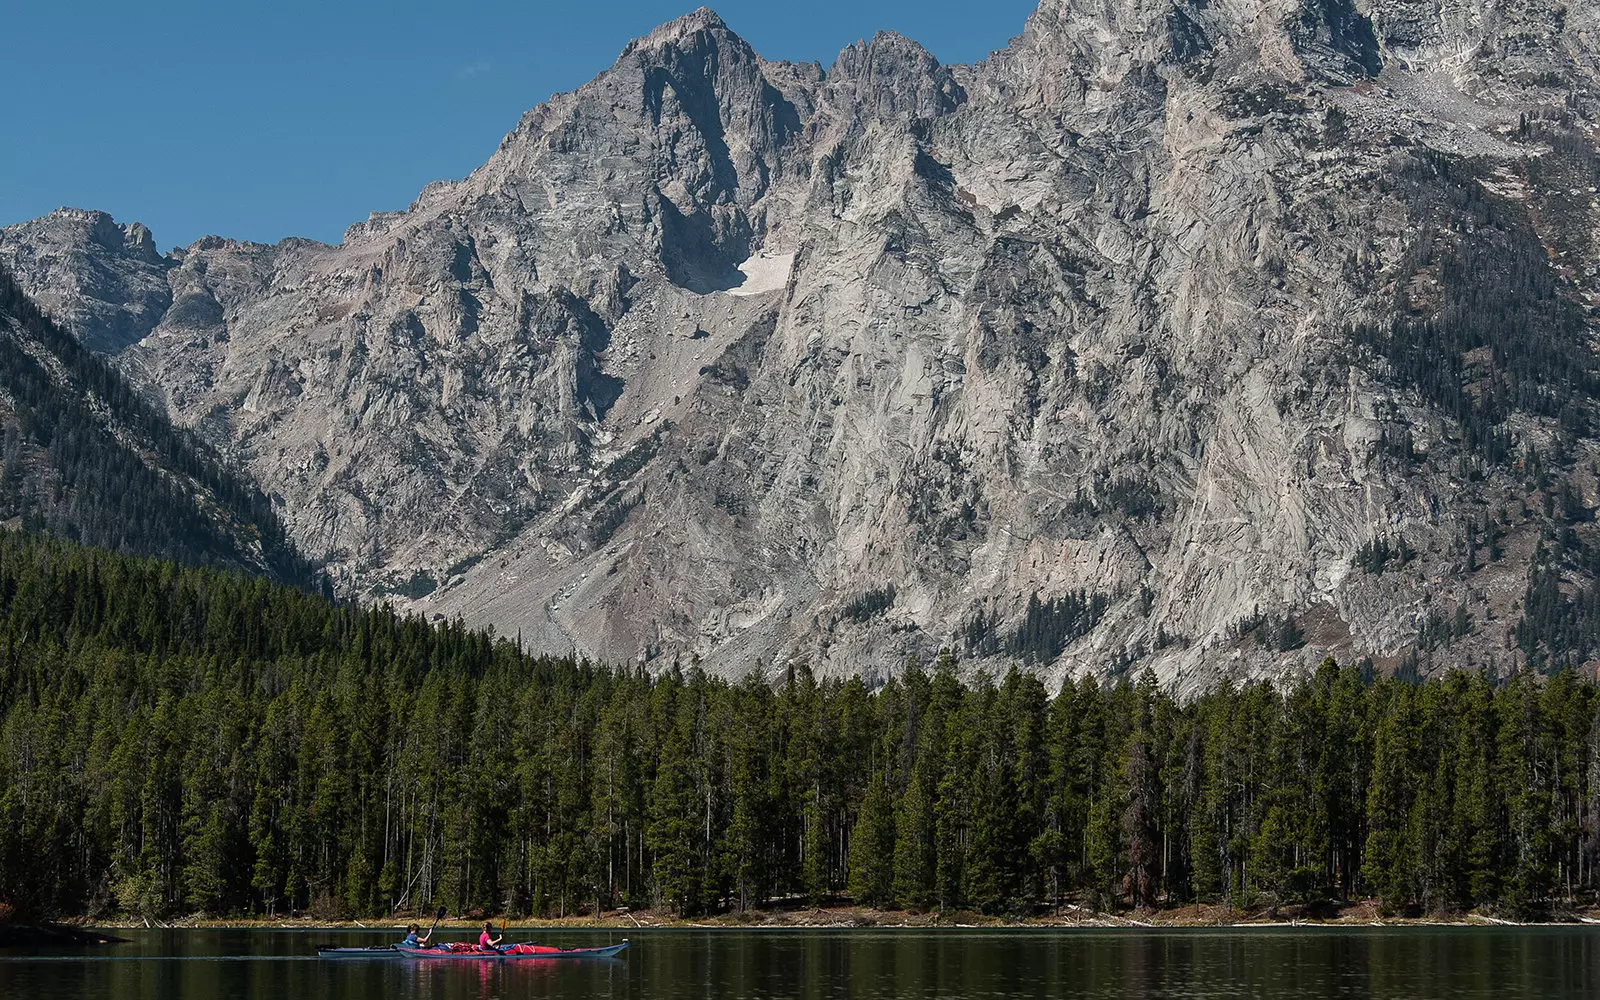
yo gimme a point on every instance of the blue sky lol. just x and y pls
(260, 120)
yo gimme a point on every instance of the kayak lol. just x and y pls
(371, 951)
(508, 953)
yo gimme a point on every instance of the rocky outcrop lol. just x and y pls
(105, 280)
(1116, 350)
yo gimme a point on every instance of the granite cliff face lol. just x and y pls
(1214, 337)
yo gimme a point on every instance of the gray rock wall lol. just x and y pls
(714, 346)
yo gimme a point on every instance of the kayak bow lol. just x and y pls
(515, 952)
(371, 951)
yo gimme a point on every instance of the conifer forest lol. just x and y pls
(179, 740)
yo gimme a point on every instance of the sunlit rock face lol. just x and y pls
(1209, 337)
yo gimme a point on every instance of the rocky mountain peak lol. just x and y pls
(94, 275)
(100, 229)
(892, 78)
(683, 29)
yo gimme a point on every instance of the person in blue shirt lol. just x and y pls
(413, 940)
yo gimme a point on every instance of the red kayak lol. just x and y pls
(510, 952)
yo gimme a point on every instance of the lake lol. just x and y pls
(1408, 962)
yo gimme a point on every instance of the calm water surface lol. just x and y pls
(1293, 962)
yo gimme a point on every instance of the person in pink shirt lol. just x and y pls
(484, 939)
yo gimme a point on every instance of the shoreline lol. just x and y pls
(1363, 914)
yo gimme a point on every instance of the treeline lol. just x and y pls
(177, 740)
(83, 456)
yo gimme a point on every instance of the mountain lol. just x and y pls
(84, 456)
(1214, 337)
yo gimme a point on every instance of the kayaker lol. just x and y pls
(413, 940)
(484, 940)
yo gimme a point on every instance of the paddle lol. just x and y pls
(436, 917)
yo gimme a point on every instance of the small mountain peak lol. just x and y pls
(692, 23)
(90, 215)
(888, 37)
(698, 19)
(894, 77)
(99, 227)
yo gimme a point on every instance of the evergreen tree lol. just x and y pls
(1391, 852)
(914, 848)
(673, 836)
(872, 847)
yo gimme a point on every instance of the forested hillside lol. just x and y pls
(178, 740)
(86, 458)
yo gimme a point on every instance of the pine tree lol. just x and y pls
(872, 847)
(1141, 779)
(914, 851)
(1524, 776)
(1391, 850)
(749, 835)
(673, 834)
